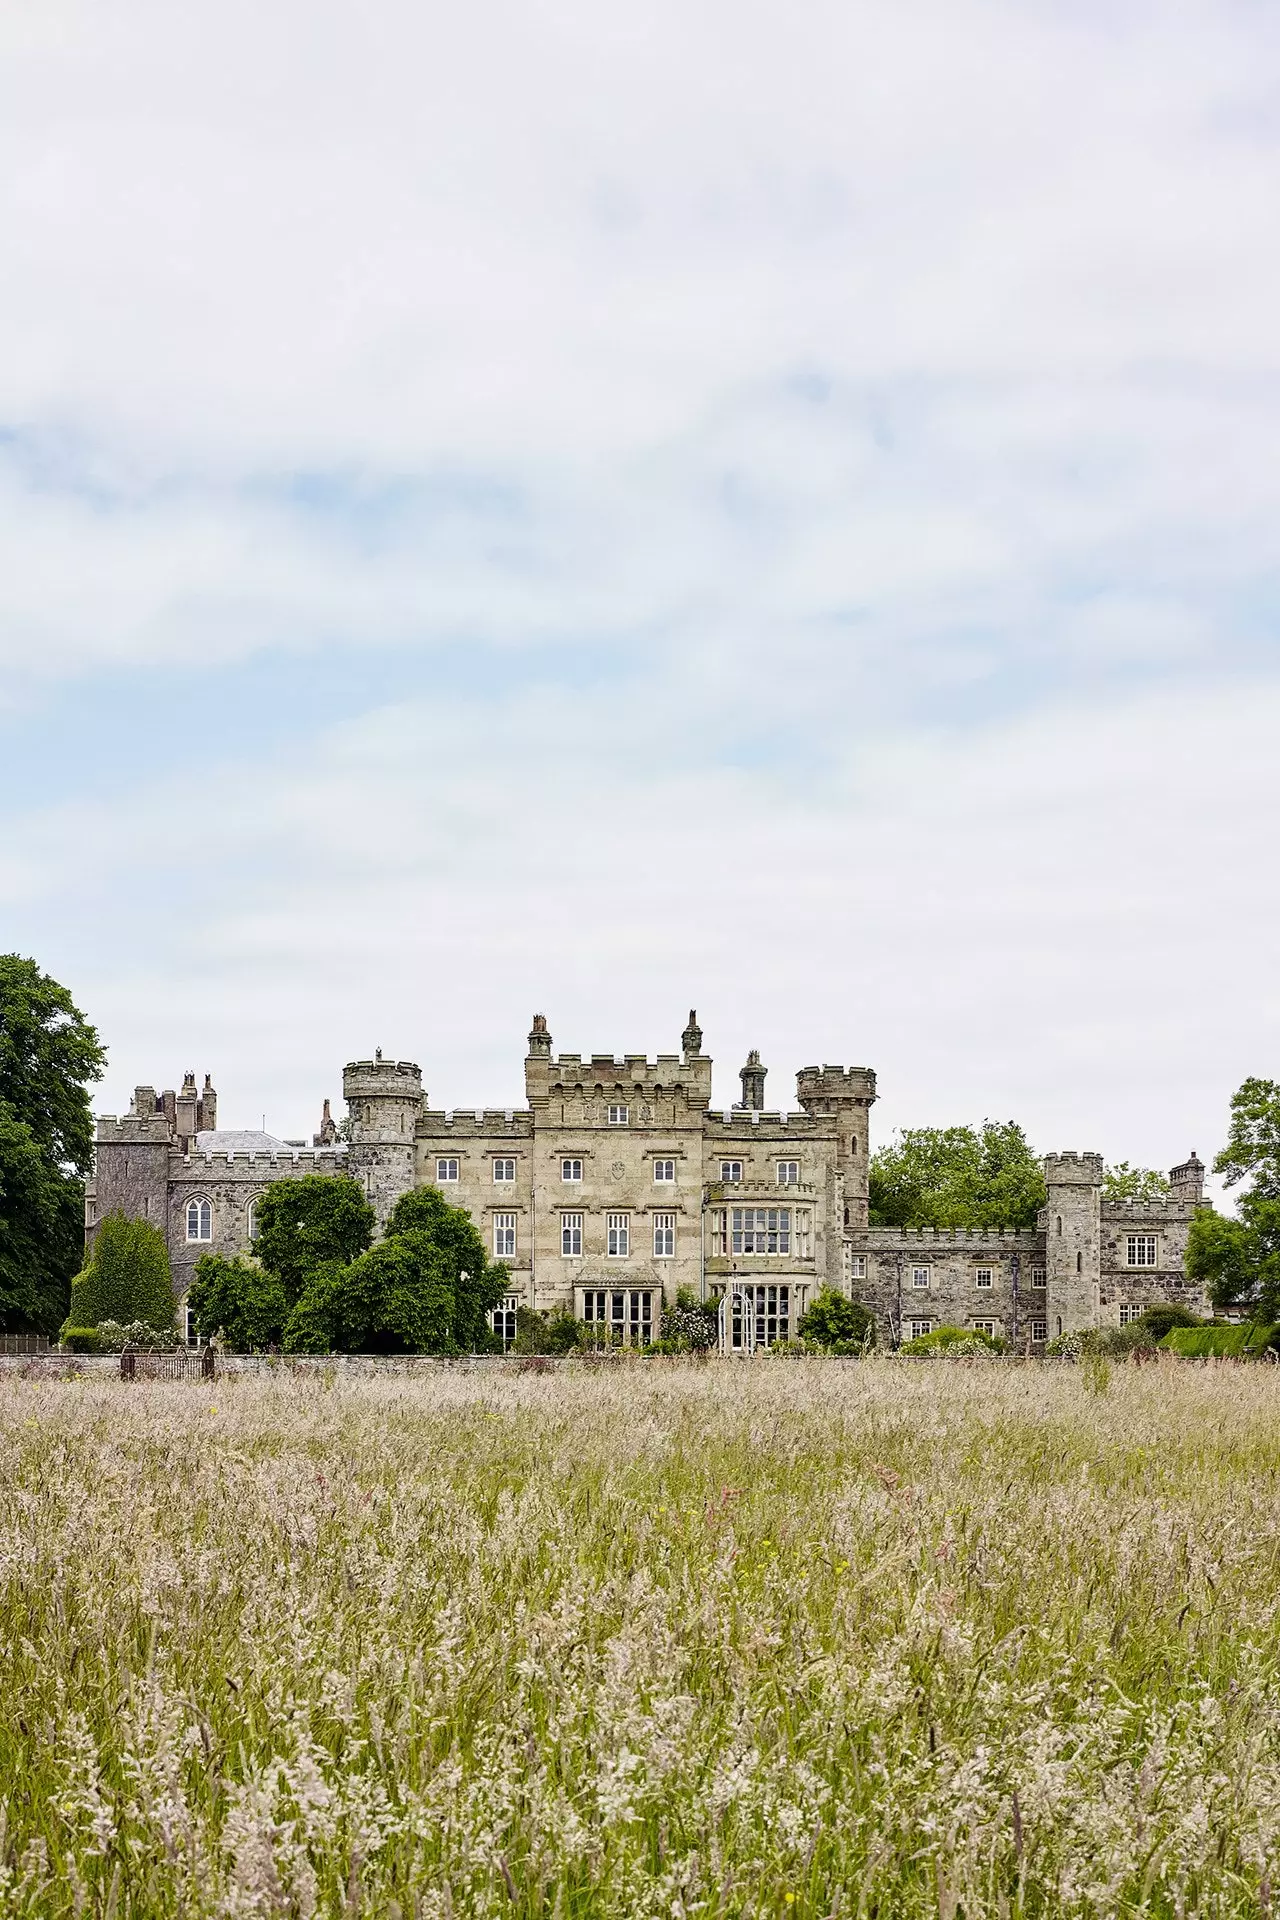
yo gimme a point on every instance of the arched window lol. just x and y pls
(199, 1220)
(1059, 1223)
(251, 1220)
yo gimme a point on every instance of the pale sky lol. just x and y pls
(606, 509)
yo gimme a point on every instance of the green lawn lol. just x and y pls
(769, 1637)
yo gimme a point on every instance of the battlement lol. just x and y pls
(313, 1157)
(829, 1089)
(1133, 1212)
(1073, 1169)
(752, 1120)
(142, 1129)
(381, 1076)
(508, 1122)
(886, 1239)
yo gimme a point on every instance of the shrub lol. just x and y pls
(1221, 1341)
(538, 1332)
(127, 1277)
(957, 1342)
(1163, 1316)
(691, 1326)
(114, 1338)
(82, 1339)
(837, 1324)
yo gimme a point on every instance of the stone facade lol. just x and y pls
(617, 1184)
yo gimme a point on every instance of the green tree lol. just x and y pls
(127, 1277)
(49, 1055)
(239, 1302)
(836, 1323)
(478, 1283)
(957, 1177)
(1123, 1182)
(1239, 1260)
(397, 1298)
(305, 1225)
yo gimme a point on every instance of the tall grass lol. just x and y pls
(766, 1638)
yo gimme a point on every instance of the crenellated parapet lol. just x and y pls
(828, 1089)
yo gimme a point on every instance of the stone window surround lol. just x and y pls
(444, 1161)
(203, 1207)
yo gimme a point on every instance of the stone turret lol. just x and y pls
(1073, 1241)
(384, 1099)
(844, 1095)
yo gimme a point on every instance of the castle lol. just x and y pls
(616, 1185)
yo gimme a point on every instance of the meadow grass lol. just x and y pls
(776, 1637)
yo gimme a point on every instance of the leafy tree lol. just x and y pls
(1123, 1182)
(836, 1323)
(1239, 1260)
(304, 1225)
(478, 1284)
(239, 1302)
(397, 1298)
(49, 1054)
(127, 1277)
(957, 1177)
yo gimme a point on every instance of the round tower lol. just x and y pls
(384, 1100)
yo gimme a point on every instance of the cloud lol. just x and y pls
(610, 507)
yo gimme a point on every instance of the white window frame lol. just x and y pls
(984, 1277)
(664, 1236)
(664, 1173)
(571, 1170)
(921, 1279)
(251, 1221)
(617, 1236)
(788, 1173)
(990, 1327)
(501, 1176)
(803, 1218)
(571, 1236)
(916, 1329)
(1142, 1250)
(719, 1232)
(189, 1332)
(1130, 1311)
(502, 1319)
(202, 1207)
(731, 1173)
(1039, 1332)
(857, 1266)
(619, 1116)
(1039, 1279)
(623, 1314)
(504, 1236)
(749, 1226)
(447, 1168)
